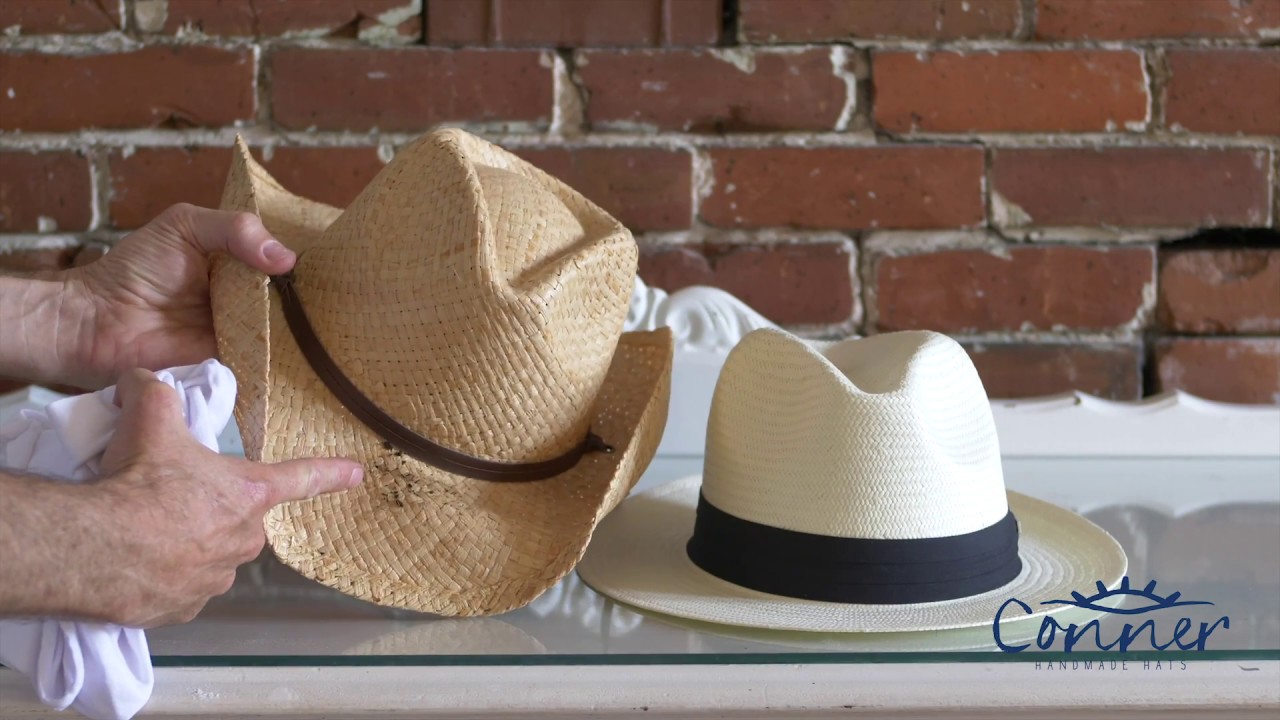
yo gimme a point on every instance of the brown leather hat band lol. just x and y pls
(398, 435)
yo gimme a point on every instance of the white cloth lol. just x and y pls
(100, 670)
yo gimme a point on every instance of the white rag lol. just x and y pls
(102, 671)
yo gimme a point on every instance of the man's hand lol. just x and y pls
(170, 521)
(187, 517)
(149, 296)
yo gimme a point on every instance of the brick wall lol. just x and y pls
(1031, 176)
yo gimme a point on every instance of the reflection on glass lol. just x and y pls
(1210, 538)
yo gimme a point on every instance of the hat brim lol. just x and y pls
(412, 535)
(638, 557)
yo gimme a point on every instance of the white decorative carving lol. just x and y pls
(701, 318)
(1173, 424)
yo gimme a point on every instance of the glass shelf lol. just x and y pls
(1209, 529)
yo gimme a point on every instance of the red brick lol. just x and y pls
(1134, 187)
(54, 185)
(645, 188)
(11, 384)
(8, 385)
(703, 91)
(88, 254)
(39, 259)
(799, 284)
(1021, 370)
(149, 180)
(39, 17)
(1235, 370)
(172, 86)
(331, 175)
(1228, 291)
(1224, 91)
(573, 23)
(1013, 91)
(846, 187)
(824, 20)
(271, 18)
(1034, 288)
(152, 179)
(408, 89)
(1135, 19)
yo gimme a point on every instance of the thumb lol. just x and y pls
(242, 235)
(309, 477)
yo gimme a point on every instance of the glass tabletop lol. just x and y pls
(1208, 529)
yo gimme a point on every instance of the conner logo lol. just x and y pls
(1123, 601)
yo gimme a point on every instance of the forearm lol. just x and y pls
(42, 325)
(48, 548)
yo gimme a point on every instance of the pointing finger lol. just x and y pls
(307, 478)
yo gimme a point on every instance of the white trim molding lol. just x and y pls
(1174, 424)
(708, 322)
(873, 690)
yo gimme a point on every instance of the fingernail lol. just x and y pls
(357, 476)
(273, 251)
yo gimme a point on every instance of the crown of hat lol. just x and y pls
(886, 437)
(471, 296)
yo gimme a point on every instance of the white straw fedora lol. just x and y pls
(850, 487)
(459, 330)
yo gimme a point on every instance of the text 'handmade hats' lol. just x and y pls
(458, 330)
(853, 488)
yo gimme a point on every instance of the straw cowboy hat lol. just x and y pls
(848, 487)
(458, 329)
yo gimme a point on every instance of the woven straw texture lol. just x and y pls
(890, 436)
(979, 637)
(479, 302)
(884, 437)
(638, 557)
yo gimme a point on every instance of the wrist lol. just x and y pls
(77, 340)
(46, 321)
(105, 586)
(49, 535)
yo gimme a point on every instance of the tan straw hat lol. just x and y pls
(849, 487)
(457, 329)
